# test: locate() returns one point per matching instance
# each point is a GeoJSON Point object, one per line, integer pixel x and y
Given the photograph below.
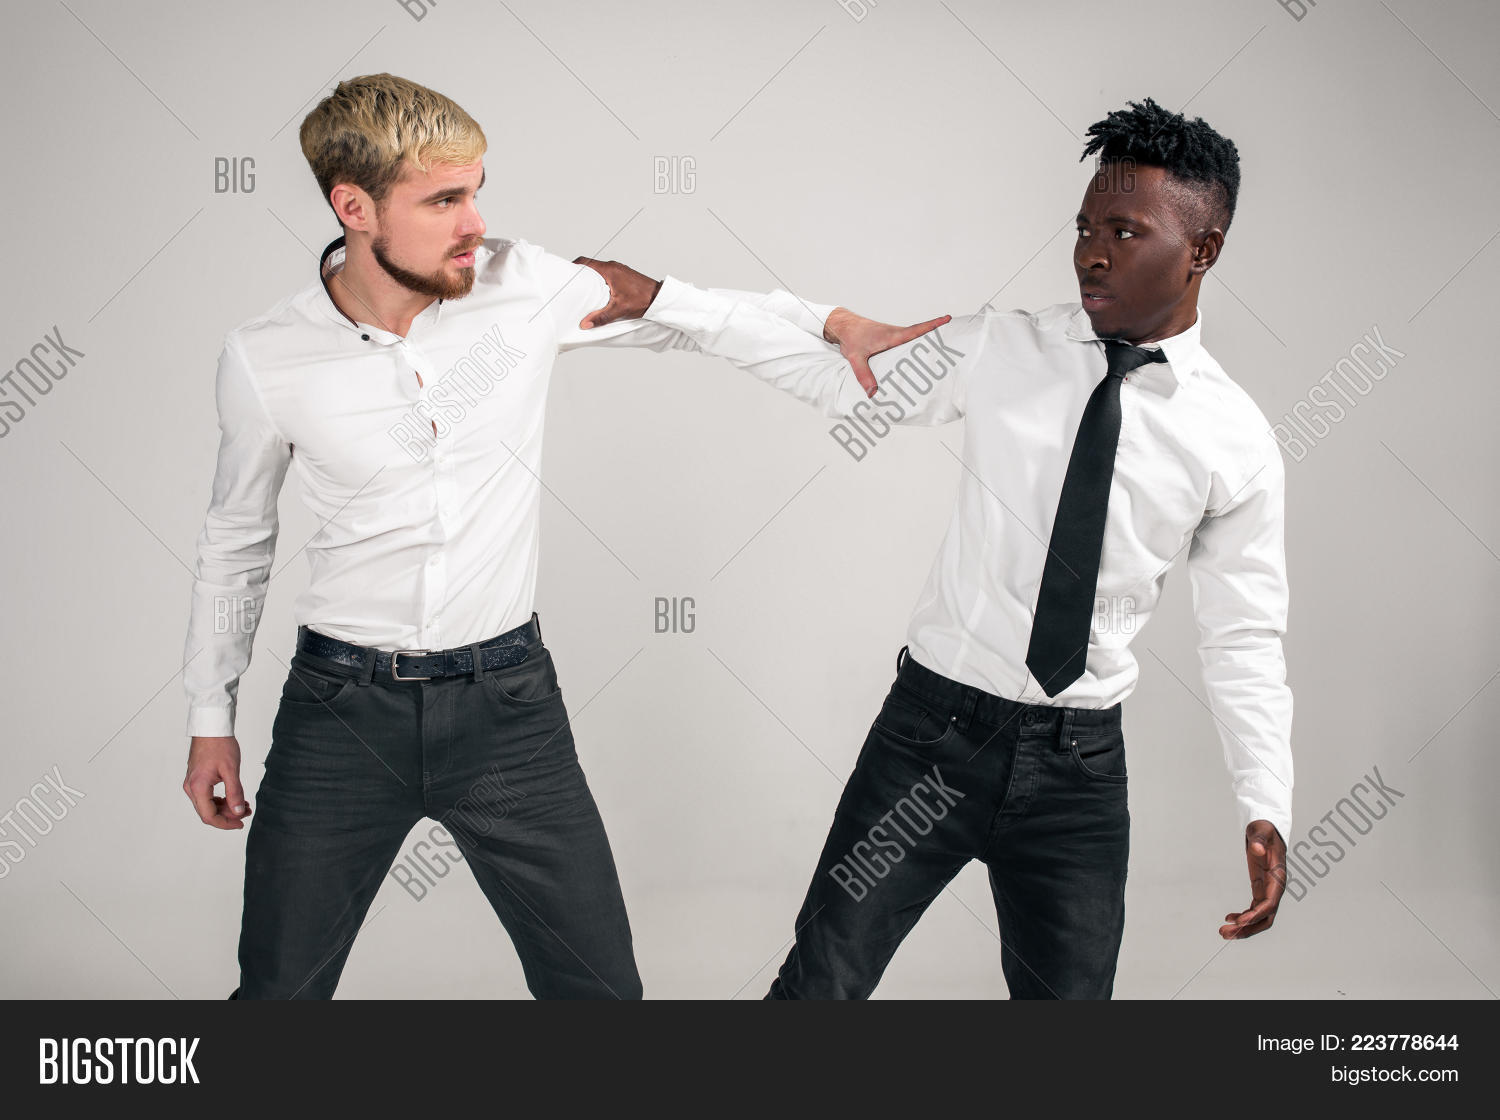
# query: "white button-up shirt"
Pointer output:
{"type": "Point", "coordinates": [427, 494]}
{"type": "Point", "coordinates": [1197, 471]}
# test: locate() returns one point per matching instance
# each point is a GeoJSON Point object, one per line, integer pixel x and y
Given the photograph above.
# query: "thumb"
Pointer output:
{"type": "Point", "coordinates": [864, 375]}
{"type": "Point", "coordinates": [234, 794]}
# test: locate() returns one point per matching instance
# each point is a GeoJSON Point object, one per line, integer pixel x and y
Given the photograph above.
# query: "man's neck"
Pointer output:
{"type": "Point", "coordinates": [362, 291]}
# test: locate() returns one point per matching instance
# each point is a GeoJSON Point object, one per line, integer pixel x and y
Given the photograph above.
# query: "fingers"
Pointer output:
{"type": "Point", "coordinates": [218, 812]}
{"type": "Point", "coordinates": [1249, 922]}
{"type": "Point", "coordinates": [920, 329]}
{"type": "Point", "coordinates": [199, 788]}
{"type": "Point", "coordinates": [234, 797]}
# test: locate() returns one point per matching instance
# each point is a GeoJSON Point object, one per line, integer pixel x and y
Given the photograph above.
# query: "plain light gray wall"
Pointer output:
{"type": "Point", "coordinates": [919, 160]}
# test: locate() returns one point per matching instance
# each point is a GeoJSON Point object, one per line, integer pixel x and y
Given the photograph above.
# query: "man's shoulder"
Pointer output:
{"type": "Point", "coordinates": [283, 326]}
{"type": "Point", "coordinates": [1053, 319]}
{"type": "Point", "coordinates": [1232, 399]}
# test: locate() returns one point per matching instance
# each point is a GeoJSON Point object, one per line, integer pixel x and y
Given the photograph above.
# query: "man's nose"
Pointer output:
{"type": "Point", "coordinates": [473, 225]}
{"type": "Point", "coordinates": [1089, 256]}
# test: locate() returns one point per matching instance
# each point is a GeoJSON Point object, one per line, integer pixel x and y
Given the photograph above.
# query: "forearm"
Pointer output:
{"type": "Point", "coordinates": [229, 591]}
{"type": "Point", "coordinates": [761, 343]}
{"type": "Point", "coordinates": [1252, 708]}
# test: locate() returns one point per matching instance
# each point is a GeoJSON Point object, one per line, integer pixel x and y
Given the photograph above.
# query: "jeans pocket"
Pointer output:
{"type": "Point", "coordinates": [308, 686]}
{"type": "Point", "coordinates": [530, 684]}
{"type": "Point", "coordinates": [1098, 754]}
{"type": "Point", "coordinates": [913, 720]}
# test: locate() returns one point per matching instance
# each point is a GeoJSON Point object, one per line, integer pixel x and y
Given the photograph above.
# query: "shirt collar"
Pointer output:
{"type": "Point", "coordinates": [332, 261]}
{"type": "Point", "coordinates": [1183, 350]}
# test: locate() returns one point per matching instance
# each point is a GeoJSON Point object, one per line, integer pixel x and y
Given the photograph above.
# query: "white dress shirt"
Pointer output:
{"type": "Point", "coordinates": [427, 496]}
{"type": "Point", "coordinates": [1197, 471]}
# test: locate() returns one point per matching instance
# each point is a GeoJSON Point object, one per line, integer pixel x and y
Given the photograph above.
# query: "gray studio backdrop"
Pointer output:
{"type": "Point", "coordinates": [906, 158]}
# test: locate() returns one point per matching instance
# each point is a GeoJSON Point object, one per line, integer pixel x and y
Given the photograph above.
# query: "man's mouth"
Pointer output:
{"type": "Point", "coordinates": [1096, 298]}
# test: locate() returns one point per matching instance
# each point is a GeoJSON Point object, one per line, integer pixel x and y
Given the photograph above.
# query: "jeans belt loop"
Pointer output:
{"type": "Point", "coordinates": [367, 671]}
{"type": "Point", "coordinates": [478, 653]}
{"type": "Point", "coordinates": [966, 716]}
{"type": "Point", "coordinates": [536, 620]}
{"type": "Point", "coordinates": [1065, 734]}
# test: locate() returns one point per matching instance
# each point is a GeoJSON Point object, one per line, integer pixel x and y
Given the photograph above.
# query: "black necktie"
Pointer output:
{"type": "Point", "coordinates": [1065, 604]}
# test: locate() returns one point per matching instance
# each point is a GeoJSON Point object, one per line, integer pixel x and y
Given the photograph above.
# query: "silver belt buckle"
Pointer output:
{"type": "Point", "coordinates": [396, 676]}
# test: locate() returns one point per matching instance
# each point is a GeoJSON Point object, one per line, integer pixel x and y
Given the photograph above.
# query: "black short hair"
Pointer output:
{"type": "Point", "coordinates": [1188, 150]}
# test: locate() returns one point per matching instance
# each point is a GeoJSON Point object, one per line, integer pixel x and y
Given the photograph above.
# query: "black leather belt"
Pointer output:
{"type": "Point", "coordinates": [509, 648]}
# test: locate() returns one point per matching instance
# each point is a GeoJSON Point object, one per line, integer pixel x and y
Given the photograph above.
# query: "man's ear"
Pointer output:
{"type": "Point", "coordinates": [352, 205]}
{"type": "Point", "coordinates": [1206, 246]}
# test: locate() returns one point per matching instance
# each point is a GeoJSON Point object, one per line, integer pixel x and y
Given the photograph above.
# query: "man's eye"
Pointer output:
{"type": "Point", "coordinates": [1123, 233]}
{"type": "Point", "coordinates": [1082, 232]}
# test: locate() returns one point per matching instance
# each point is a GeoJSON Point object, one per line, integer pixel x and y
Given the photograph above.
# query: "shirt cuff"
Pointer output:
{"type": "Point", "coordinates": [1262, 805]}
{"type": "Point", "coordinates": [215, 722]}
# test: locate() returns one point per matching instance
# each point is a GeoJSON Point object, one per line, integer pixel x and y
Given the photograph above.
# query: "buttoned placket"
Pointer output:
{"type": "Point", "coordinates": [418, 375]}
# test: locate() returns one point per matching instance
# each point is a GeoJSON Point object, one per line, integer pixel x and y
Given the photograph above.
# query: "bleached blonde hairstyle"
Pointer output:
{"type": "Point", "coordinates": [369, 127]}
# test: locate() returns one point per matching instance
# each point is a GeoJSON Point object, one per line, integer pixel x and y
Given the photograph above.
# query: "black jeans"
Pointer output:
{"type": "Point", "coordinates": [948, 774]}
{"type": "Point", "coordinates": [354, 765]}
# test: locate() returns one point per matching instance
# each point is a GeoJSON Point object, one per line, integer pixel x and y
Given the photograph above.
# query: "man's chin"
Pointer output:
{"type": "Point", "coordinates": [1104, 323]}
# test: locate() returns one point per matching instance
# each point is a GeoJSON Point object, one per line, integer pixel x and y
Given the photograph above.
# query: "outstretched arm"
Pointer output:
{"type": "Point", "coordinates": [908, 383]}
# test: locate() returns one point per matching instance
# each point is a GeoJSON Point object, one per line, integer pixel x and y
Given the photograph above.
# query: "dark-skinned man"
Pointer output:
{"type": "Point", "coordinates": [1102, 442]}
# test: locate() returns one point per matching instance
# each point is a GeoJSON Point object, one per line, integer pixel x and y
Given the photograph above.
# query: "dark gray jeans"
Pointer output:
{"type": "Point", "coordinates": [354, 765]}
{"type": "Point", "coordinates": [950, 774]}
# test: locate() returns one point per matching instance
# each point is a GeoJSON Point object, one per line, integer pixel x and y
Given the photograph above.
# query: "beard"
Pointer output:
{"type": "Point", "coordinates": [440, 284]}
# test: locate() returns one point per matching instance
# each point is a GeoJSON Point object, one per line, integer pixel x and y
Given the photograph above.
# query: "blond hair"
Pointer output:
{"type": "Point", "coordinates": [368, 127]}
